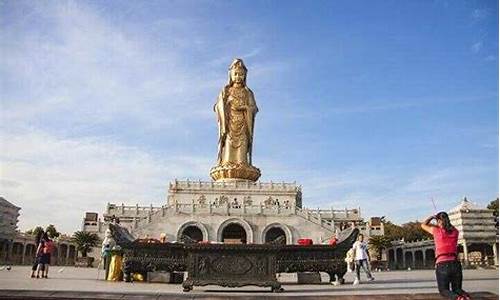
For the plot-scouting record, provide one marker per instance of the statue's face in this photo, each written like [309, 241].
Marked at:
[238, 76]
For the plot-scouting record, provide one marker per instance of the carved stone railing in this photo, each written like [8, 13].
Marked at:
[312, 216]
[204, 185]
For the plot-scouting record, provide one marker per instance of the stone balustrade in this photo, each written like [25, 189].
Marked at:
[251, 186]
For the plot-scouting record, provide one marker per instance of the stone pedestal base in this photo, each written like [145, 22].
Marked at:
[308, 278]
[234, 171]
[159, 277]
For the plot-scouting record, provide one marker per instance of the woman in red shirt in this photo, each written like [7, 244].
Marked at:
[448, 268]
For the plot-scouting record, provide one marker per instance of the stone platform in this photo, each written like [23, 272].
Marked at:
[80, 283]
[64, 295]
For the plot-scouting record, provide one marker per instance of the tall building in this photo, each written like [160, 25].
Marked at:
[9, 214]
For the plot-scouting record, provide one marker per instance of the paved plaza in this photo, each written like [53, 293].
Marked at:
[83, 280]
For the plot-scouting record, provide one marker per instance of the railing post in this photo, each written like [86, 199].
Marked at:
[163, 210]
[319, 217]
[227, 208]
[210, 208]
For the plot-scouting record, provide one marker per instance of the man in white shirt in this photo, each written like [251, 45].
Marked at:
[361, 258]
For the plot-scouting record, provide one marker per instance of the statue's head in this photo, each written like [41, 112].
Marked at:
[237, 72]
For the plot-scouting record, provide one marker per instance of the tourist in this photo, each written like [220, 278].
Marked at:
[333, 240]
[448, 268]
[43, 255]
[361, 258]
[47, 250]
[163, 237]
[36, 262]
[107, 244]
[349, 259]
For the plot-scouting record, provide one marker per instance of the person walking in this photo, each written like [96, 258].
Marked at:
[361, 258]
[448, 268]
[36, 262]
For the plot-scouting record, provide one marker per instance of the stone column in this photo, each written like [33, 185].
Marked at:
[466, 253]
[395, 257]
[67, 255]
[495, 254]
[5, 250]
[9, 251]
[23, 253]
[404, 258]
[424, 262]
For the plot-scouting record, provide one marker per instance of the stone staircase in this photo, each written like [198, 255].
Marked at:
[309, 215]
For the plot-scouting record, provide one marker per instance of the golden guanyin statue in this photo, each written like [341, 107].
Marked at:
[235, 110]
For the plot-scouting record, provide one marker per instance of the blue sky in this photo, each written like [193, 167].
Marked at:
[381, 105]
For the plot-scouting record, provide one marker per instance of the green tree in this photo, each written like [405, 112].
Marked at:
[379, 243]
[413, 231]
[52, 232]
[85, 241]
[392, 231]
[494, 206]
[409, 231]
[35, 231]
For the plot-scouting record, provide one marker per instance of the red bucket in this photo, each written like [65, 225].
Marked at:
[305, 242]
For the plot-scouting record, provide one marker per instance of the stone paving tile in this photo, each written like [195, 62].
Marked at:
[30, 295]
[401, 283]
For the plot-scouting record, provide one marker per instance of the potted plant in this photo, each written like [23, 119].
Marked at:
[85, 241]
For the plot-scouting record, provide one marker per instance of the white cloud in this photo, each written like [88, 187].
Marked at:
[56, 180]
[476, 47]
[479, 14]
[82, 68]
[398, 192]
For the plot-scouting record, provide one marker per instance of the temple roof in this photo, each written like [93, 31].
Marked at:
[466, 205]
[4, 202]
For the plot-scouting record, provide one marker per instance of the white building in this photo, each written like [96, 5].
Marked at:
[477, 244]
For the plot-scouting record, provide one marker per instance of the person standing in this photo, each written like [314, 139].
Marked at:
[448, 268]
[47, 252]
[361, 258]
[44, 250]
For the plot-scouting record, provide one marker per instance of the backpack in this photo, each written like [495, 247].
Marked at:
[49, 247]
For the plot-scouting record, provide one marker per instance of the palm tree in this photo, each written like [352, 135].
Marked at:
[379, 243]
[85, 241]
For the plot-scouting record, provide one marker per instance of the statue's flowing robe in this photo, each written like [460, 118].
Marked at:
[222, 112]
